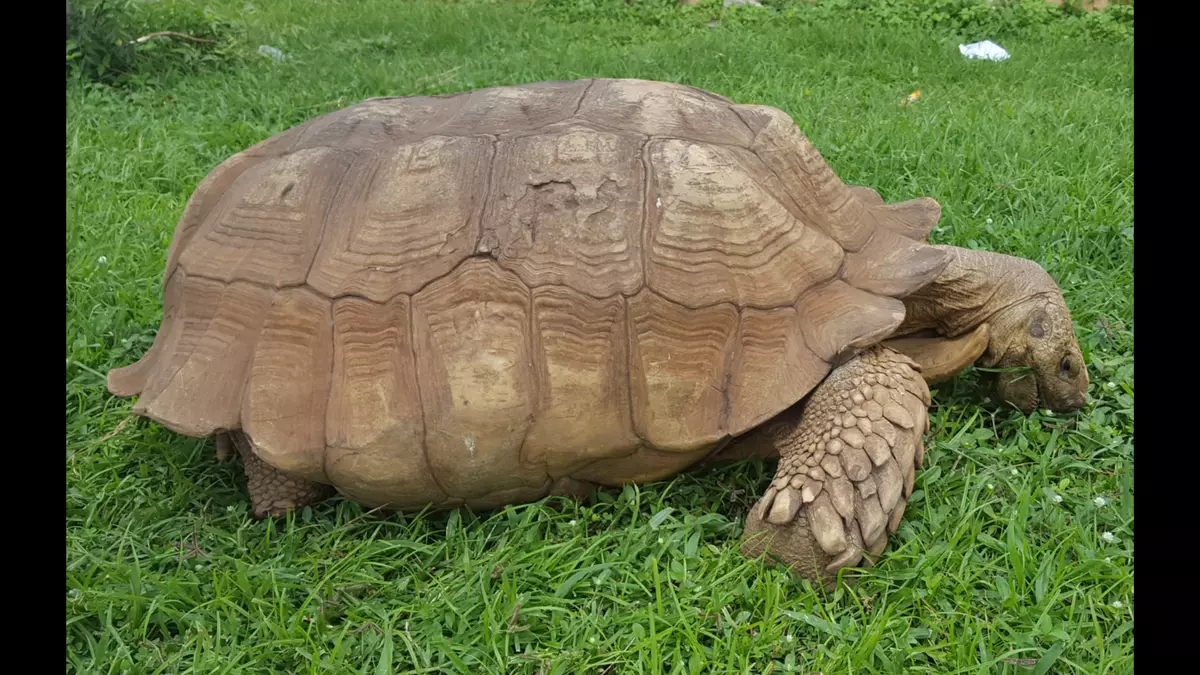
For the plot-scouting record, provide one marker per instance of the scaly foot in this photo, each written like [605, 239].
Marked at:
[848, 457]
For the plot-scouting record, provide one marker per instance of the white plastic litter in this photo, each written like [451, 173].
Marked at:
[984, 50]
[273, 53]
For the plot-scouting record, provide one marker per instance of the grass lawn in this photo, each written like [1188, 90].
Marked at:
[1017, 544]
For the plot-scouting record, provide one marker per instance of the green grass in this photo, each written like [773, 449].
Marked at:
[1018, 542]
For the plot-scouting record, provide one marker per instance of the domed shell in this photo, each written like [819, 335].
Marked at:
[474, 298]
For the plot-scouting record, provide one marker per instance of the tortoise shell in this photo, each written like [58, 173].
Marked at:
[472, 298]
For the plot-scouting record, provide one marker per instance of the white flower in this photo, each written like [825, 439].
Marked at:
[1107, 559]
[1108, 537]
[1048, 413]
[1057, 499]
[788, 637]
[102, 260]
[1014, 472]
[1099, 501]
[1118, 604]
[571, 524]
[988, 221]
[1111, 385]
[592, 639]
[991, 487]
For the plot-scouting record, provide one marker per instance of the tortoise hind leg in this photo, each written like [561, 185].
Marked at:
[272, 492]
[848, 456]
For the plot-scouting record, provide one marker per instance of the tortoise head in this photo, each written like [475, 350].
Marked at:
[1036, 339]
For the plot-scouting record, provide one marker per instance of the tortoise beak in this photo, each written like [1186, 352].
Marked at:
[1065, 392]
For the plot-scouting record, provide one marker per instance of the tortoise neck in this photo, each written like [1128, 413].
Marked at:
[973, 288]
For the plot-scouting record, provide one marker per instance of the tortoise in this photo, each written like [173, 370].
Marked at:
[509, 293]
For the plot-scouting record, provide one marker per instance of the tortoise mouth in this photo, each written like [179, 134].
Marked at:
[1066, 397]
[1066, 405]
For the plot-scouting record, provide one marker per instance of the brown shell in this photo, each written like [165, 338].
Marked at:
[465, 299]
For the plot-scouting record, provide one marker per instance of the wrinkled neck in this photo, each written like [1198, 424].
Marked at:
[974, 287]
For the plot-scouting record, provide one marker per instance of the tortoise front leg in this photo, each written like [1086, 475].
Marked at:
[272, 492]
[848, 454]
